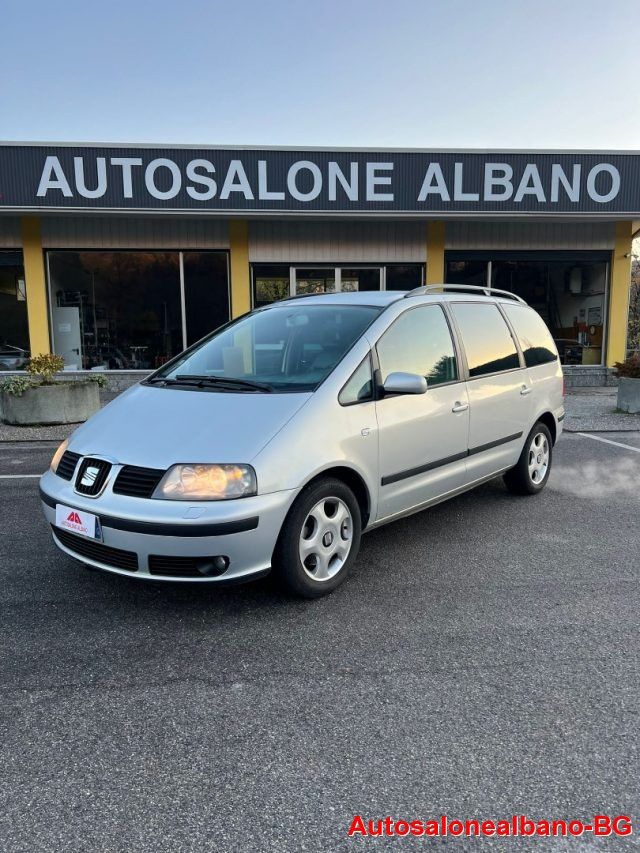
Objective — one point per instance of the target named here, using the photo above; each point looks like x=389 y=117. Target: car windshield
x=289 y=347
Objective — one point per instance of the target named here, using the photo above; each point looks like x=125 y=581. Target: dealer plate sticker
x=78 y=521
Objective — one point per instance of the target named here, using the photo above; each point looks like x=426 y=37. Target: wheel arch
x=549 y=421
x=351 y=478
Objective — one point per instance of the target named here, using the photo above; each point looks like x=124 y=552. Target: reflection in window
x=360 y=387
x=292 y=346
x=419 y=342
x=359 y=279
x=321 y=280
x=270 y=284
x=14 y=328
x=486 y=338
x=535 y=340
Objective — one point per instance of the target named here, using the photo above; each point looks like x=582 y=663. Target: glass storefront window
x=320 y=280
x=14 y=327
x=122 y=310
x=270 y=283
x=570 y=298
x=568 y=291
x=466 y=272
x=359 y=279
x=404 y=276
x=206 y=292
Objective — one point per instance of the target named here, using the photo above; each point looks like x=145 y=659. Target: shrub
x=17 y=385
x=630 y=368
x=99 y=379
x=45 y=366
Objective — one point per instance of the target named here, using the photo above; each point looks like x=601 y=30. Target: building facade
x=118 y=257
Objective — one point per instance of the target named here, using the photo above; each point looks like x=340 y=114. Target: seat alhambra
x=276 y=441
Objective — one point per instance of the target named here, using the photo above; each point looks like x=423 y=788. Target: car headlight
x=207 y=483
x=57 y=456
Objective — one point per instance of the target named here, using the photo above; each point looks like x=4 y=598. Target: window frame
x=460 y=366
x=374 y=396
x=486 y=301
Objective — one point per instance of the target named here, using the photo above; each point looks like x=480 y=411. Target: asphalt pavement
x=482 y=660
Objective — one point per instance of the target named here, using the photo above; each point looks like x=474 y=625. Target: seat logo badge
x=89 y=476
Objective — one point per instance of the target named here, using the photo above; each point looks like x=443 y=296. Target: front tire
x=319 y=540
x=531 y=473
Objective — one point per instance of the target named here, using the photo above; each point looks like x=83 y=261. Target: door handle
x=460 y=407
x=525 y=390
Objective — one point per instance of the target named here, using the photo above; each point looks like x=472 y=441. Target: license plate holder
x=78 y=521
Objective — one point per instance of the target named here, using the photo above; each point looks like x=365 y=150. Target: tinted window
x=292 y=346
x=535 y=339
x=486 y=338
x=360 y=387
x=419 y=342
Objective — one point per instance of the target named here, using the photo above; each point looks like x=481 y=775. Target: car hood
x=155 y=427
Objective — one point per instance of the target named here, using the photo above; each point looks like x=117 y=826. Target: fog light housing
x=213 y=566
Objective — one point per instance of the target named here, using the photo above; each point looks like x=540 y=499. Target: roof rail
x=474 y=288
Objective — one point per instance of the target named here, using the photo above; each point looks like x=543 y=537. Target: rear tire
x=319 y=540
x=531 y=473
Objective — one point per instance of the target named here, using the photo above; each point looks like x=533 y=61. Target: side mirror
x=404 y=383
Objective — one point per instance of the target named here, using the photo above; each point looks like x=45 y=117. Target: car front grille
x=137 y=482
x=94 y=550
x=67 y=464
x=92 y=476
x=182 y=567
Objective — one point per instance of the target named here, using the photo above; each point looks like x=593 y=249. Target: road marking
x=609 y=441
x=19 y=476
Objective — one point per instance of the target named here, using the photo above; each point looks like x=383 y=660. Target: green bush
x=17 y=385
x=99 y=378
x=45 y=365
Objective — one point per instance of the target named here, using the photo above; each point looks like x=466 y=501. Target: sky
x=400 y=73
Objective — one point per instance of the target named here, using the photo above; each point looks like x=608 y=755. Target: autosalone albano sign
x=219 y=180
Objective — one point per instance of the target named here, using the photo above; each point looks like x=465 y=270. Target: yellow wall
x=36 y=285
x=435 y=253
x=619 y=294
x=239 y=267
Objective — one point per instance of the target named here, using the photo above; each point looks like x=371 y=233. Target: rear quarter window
x=486 y=338
x=535 y=339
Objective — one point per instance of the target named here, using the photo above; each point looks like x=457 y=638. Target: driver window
x=419 y=342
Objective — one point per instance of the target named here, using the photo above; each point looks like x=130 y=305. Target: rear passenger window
x=486 y=338
x=535 y=339
x=419 y=341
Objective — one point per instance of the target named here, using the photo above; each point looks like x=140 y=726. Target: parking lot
x=481 y=661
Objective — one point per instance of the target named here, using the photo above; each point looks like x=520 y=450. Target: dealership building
x=117 y=257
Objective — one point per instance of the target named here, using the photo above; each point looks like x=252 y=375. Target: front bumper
x=244 y=531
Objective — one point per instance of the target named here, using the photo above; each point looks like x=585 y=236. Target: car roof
x=383 y=298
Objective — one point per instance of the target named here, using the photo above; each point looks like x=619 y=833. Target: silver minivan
x=275 y=442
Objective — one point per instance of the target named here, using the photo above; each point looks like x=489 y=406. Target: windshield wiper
x=226 y=381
